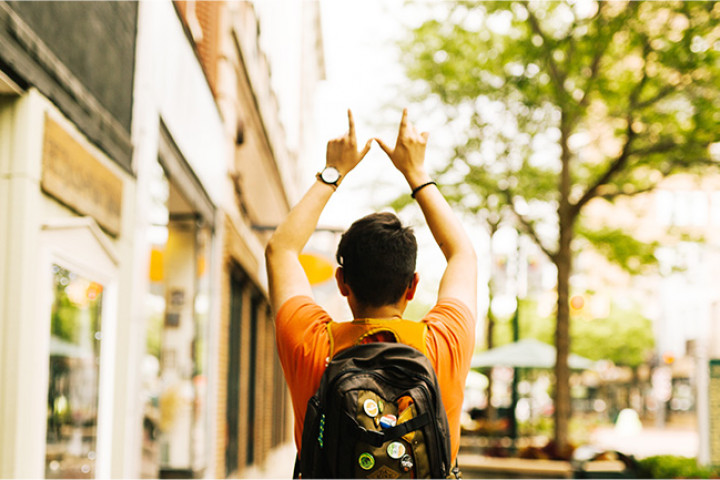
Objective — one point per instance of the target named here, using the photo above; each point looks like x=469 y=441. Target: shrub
x=671 y=466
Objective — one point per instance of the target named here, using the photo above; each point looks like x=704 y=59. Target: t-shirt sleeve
x=302 y=343
x=450 y=343
x=452 y=336
x=301 y=336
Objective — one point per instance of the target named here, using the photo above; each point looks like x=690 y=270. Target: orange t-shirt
x=304 y=348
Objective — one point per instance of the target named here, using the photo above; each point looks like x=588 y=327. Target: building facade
x=68 y=209
x=143 y=154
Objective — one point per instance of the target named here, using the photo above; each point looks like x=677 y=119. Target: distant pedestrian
x=376 y=274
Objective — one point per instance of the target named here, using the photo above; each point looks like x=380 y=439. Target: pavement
x=280 y=463
x=648 y=441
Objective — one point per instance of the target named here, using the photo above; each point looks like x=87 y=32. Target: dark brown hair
x=378 y=258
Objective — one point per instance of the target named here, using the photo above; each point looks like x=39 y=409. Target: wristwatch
x=329 y=175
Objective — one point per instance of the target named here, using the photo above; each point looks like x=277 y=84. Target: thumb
x=366 y=149
x=425 y=136
x=385 y=148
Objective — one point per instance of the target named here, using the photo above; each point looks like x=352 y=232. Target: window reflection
x=74 y=367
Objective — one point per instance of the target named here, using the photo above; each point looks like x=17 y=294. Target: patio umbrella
x=526 y=353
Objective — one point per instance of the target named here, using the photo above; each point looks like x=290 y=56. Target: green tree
x=624 y=337
x=565 y=102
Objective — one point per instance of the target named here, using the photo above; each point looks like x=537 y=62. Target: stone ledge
x=526 y=468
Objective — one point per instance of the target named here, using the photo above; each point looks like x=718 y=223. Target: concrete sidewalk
x=279 y=464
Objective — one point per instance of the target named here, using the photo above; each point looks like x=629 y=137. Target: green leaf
x=633 y=255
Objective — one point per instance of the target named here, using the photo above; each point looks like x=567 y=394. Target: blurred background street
x=149 y=149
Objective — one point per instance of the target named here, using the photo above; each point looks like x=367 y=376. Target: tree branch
x=528 y=227
x=595 y=64
x=658 y=96
x=594 y=69
x=621 y=161
x=612 y=196
x=664 y=172
x=696 y=162
x=635 y=93
x=612 y=170
x=557 y=76
x=660 y=147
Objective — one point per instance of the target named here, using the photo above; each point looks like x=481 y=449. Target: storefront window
x=175 y=365
x=74 y=369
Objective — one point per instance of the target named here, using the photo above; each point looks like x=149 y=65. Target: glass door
x=73 y=392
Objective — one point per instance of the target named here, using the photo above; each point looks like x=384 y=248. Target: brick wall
x=208 y=14
x=270 y=411
x=202 y=20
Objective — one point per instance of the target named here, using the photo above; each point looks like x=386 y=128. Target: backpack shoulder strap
x=348 y=334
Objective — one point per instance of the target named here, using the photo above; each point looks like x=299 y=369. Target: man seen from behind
x=376 y=274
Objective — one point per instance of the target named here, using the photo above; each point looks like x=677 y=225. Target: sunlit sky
x=364 y=74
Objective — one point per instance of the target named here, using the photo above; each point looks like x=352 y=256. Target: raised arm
x=286 y=276
x=459 y=280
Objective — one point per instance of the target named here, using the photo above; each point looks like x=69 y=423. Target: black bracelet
x=417 y=189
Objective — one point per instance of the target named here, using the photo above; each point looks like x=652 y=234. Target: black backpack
x=378 y=413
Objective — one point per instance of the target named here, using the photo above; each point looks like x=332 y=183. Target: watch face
x=330 y=175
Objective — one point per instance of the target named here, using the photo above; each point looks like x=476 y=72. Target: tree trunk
x=562 y=344
x=563 y=261
x=490 y=326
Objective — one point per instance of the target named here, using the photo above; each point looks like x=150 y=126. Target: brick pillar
x=222 y=372
x=271 y=411
x=243 y=424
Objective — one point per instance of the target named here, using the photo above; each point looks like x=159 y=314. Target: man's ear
x=340 y=279
x=410 y=292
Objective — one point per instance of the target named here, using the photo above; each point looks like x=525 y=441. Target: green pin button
x=366 y=461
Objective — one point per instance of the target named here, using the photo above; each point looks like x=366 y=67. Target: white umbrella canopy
x=476 y=380
x=526 y=353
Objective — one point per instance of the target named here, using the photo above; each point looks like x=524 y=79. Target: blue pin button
x=388 y=421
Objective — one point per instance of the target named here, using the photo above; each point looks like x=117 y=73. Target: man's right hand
x=342 y=151
x=408 y=156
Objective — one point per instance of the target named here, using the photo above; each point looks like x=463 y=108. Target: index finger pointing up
x=351 y=125
x=403 y=120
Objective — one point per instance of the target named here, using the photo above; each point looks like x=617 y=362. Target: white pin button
x=371 y=408
x=396 y=450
